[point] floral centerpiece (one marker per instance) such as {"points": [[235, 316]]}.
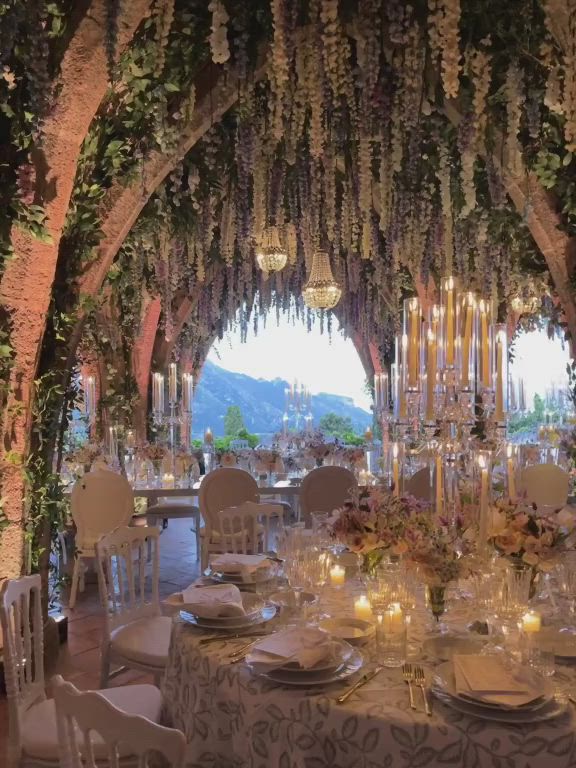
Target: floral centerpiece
{"points": [[86, 455], [319, 450], [186, 462], [522, 536], [444, 555], [355, 457], [374, 521], [268, 460], [153, 452]]}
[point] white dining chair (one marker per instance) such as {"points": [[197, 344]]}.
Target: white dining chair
{"points": [[100, 501], [324, 489], [222, 488], [176, 508], [246, 527], [420, 485], [33, 734], [93, 733], [136, 634], [545, 485]]}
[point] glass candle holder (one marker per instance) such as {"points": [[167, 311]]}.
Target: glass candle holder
{"points": [[391, 636]]}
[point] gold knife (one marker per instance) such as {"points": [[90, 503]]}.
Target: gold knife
{"points": [[363, 680]]}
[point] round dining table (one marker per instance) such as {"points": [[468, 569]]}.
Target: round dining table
{"points": [[233, 718]]}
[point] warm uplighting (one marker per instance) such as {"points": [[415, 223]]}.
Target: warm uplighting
{"points": [[321, 291], [270, 254]]}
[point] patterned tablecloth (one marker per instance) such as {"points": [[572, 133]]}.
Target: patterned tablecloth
{"points": [[233, 719]]}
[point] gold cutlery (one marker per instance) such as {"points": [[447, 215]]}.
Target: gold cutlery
{"points": [[408, 675], [420, 680], [223, 637], [363, 680]]}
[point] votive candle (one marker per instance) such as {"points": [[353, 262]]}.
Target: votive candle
{"points": [[362, 608], [337, 575], [168, 480], [531, 622]]}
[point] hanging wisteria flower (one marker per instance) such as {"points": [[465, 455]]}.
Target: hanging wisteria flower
{"points": [[219, 32]]}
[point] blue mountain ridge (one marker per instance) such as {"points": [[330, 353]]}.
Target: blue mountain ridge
{"points": [[261, 402]]}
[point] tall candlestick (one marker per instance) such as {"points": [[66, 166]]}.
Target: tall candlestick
{"points": [[395, 469], [412, 328], [484, 346], [158, 393], [511, 471], [89, 396], [402, 372], [501, 376], [439, 485], [470, 304], [521, 396], [208, 437], [450, 320], [430, 374], [187, 392], [172, 384], [484, 492]]}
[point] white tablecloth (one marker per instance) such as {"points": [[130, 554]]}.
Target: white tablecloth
{"points": [[233, 719]]}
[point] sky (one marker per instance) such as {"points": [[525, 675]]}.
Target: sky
{"points": [[290, 352], [540, 362]]}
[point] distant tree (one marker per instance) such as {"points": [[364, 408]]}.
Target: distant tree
{"points": [[335, 425], [233, 421]]}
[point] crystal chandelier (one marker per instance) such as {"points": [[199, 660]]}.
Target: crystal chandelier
{"points": [[321, 291], [270, 255]]}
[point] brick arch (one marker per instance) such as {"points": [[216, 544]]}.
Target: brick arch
{"points": [[26, 285]]}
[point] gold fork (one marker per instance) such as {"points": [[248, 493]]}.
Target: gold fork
{"points": [[408, 675], [420, 680]]}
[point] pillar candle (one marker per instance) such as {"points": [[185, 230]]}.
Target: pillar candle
{"points": [[208, 437], [521, 396], [337, 575], [130, 439], [531, 622], [412, 332], [158, 393], [362, 608], [430, 375], [393, 621], [89, 395], [368, 436]]}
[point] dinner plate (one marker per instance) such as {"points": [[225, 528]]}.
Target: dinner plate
{"points": [[252, 604], [549, 711], [444, 680], [236, 578], [354, 631], [341, 652], [343, 672], [267, 612]]}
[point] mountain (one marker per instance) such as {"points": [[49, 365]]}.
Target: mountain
{"points": [[261, 402]]}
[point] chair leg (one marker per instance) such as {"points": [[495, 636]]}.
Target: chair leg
{"points": [[197, 535], [105, 666], [75, 580], [204, 556]]}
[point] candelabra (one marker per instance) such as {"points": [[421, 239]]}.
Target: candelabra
{"points": [[178, 416], [298, 408]]}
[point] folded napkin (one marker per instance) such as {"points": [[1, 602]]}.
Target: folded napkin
{"points": [[487, 679], [216, 601], [307, 646], [245, 565]]}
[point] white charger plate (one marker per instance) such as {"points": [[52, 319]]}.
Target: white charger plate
{"points": [[236, 578], [354, 631], [343, 672], [444, 682], [549, 711], [341, 650], [266, 613], [252, 603]]}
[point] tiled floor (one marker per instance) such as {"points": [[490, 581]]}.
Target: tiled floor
{"points": [[79, 658]]}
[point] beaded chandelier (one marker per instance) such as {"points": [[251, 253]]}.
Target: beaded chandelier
{"points": [[321, 291], [270, 254]]}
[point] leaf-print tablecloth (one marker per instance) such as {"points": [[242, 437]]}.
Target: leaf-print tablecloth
{"points": [[233, 719]]}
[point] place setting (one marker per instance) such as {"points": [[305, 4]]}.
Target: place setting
{"points": [[244, 570]]}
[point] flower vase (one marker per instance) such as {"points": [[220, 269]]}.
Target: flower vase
{"points": [[437, 600], [371, 561]]}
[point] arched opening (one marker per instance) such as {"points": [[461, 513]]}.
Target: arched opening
{"points": [[253, 369]]}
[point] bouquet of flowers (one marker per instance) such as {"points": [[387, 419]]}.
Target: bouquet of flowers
{"points": [[153, 452], [320, 450], [377, 520], [268, 460], [519, 534], [444, 555]]}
